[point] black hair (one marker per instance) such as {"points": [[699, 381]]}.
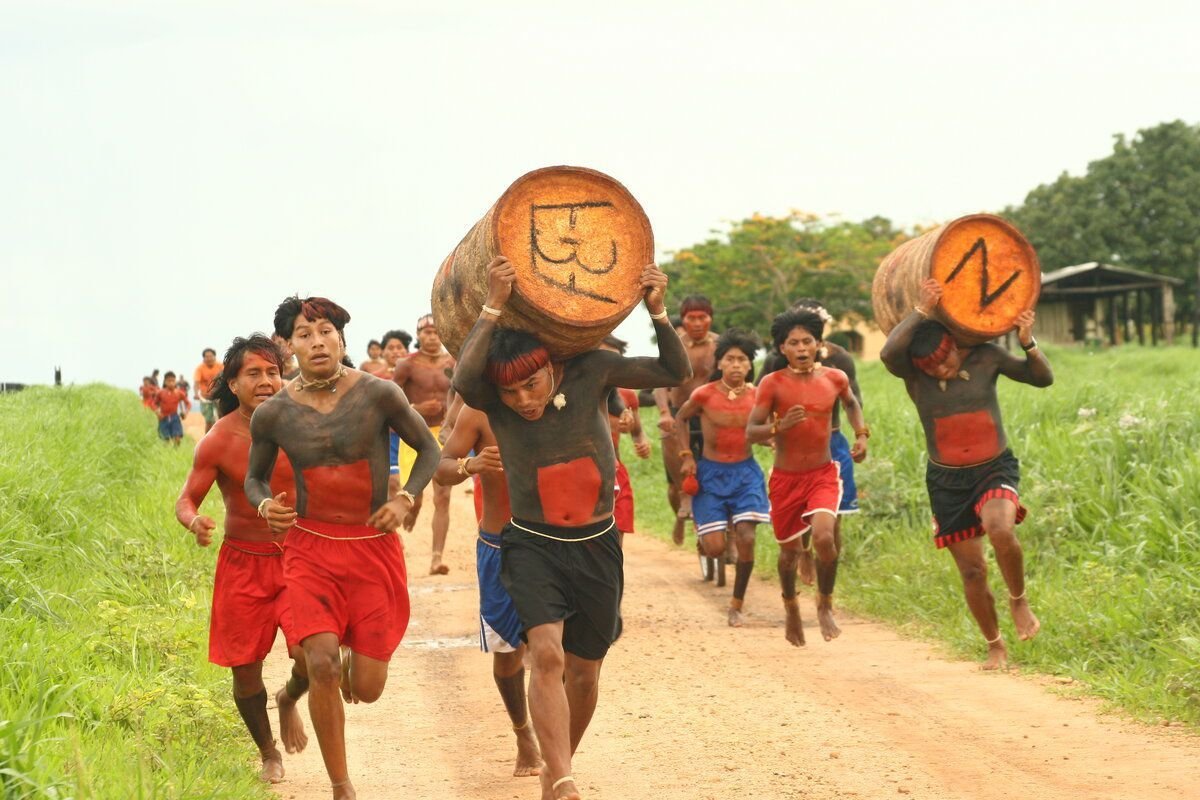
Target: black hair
{"points": [[784, 323], [313, 308], [375, 342], [514, 356], [219, 392], [746, 341], [695, 302], [404, 336], [168, 375], [617, 344], [206, 351], [926, 338]]}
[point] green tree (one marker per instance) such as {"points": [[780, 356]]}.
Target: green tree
{"points": [[1138, 207], [761, 264]]}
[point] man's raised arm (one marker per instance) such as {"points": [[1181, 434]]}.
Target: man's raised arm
{"points": [[672, 366], [469, 380], [894, 354], [1034, 369]]}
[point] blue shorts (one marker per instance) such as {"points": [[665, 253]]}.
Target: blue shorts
{"points": [[839, 448], [729, 492], [394, 452], [170, 427], [499, 625]]}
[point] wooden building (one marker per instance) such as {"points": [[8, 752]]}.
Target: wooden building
{"points": [[1102, 303]]}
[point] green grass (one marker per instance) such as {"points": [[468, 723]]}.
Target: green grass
{"points": [[1112, 542], [105, 690]]}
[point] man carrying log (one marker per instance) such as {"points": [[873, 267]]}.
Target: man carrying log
{"points": [[249, 594], [805, 487], [471, 452], [343, 562], [560, 558], [972, 476]]}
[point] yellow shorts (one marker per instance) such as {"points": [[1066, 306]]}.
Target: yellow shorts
{"points": [[408, 456]]}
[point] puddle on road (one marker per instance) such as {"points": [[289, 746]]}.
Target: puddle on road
{"points": [[442, 643]]}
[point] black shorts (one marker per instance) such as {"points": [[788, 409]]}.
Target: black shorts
{"points": [[579, 582], [957, 495], [695, 438]]}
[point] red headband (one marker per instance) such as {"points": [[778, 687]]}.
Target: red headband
{"points": [[938, 355], [518, 368], [426, 321]]}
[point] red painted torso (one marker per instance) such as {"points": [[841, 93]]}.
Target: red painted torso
{"points": [[805, 445], [723, 421]]}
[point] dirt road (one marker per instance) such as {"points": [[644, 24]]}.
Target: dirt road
{"points": [[690, 708]]}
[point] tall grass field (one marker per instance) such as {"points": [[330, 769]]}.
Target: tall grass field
{"points": [[105, 690], [1111, 478]]}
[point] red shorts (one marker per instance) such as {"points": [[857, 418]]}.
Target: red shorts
{"points": [[796, 496], [349, 580], [250, 602], [623, 504]]}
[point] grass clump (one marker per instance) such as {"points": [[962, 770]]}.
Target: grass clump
{"points": [[105, 690]]}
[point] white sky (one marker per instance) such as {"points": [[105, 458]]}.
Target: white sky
{"points": [[169, 171]]}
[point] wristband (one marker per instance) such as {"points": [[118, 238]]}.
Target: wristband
{"points": [[495, 312], [864, 431], [686, 454], [193, 522], [921, 311], [261, 512], [412, 500], [462, 466], [660, 315], [1031, 346]]}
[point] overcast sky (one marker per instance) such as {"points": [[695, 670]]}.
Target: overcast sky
{"points": [[169, 171]]}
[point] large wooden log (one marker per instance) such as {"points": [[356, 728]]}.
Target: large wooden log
{"points": [[578, 240], [989, 272]]}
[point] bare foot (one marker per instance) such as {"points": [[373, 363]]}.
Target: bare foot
{"points": [[677, 531], [805, 567], [997, 657], [1027, 624], [735, 618], [829, 628], [565, 790], [436, 567], [410, 519], [347, 693], [529, 758], [272, 767], [344, 790], [793, 629], [291, 726]]}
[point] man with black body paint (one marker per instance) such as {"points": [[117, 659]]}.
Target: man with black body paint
{"points": [[561, 560]]}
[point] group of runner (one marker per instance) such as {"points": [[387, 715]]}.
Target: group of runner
{"points": [[319, 472]]}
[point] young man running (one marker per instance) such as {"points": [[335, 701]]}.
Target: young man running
{"points": [[695, 332], [471, 452], [805, 489], [425, 378], [732, 488], [249, 594], [166, 402], [343, 562], [203, 377], [560, 557], [972, 476], [836, 356], [374, 363], [395, 350]]}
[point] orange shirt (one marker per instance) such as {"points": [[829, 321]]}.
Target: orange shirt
{"points": [[203, 378]]}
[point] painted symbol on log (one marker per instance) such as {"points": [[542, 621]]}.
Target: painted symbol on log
{"points": [[985, 298], [560, 247]]}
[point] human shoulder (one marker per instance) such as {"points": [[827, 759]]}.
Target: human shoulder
{"points": [[837, 377]]}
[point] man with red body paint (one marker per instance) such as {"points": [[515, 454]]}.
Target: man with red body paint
{"points": [[560, 556], [249, 595], [805, 487], [166, 402], [623, 418], [343, 562], [972, 476]]}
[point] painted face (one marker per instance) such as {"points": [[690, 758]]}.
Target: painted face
{"points": [[949, 368], [257, 381], [734, 366], [530, 396], [696, 324], [800, 348], [374, 351], [317, 345], [393, 351], [429, 341], [210, 358]]}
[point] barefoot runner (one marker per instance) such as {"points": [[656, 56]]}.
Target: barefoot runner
{"points": [[805, 489], [208, 369], [343, 562], [166, 402], [732, 488], [471, 451], [249, 595], [425, 378], [374, 363], [696, 312], [560, 557], [972, 476], [836, 356]]}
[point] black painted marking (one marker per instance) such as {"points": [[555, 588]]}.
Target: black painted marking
{"points": [[537, 255], [985, 299]]}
